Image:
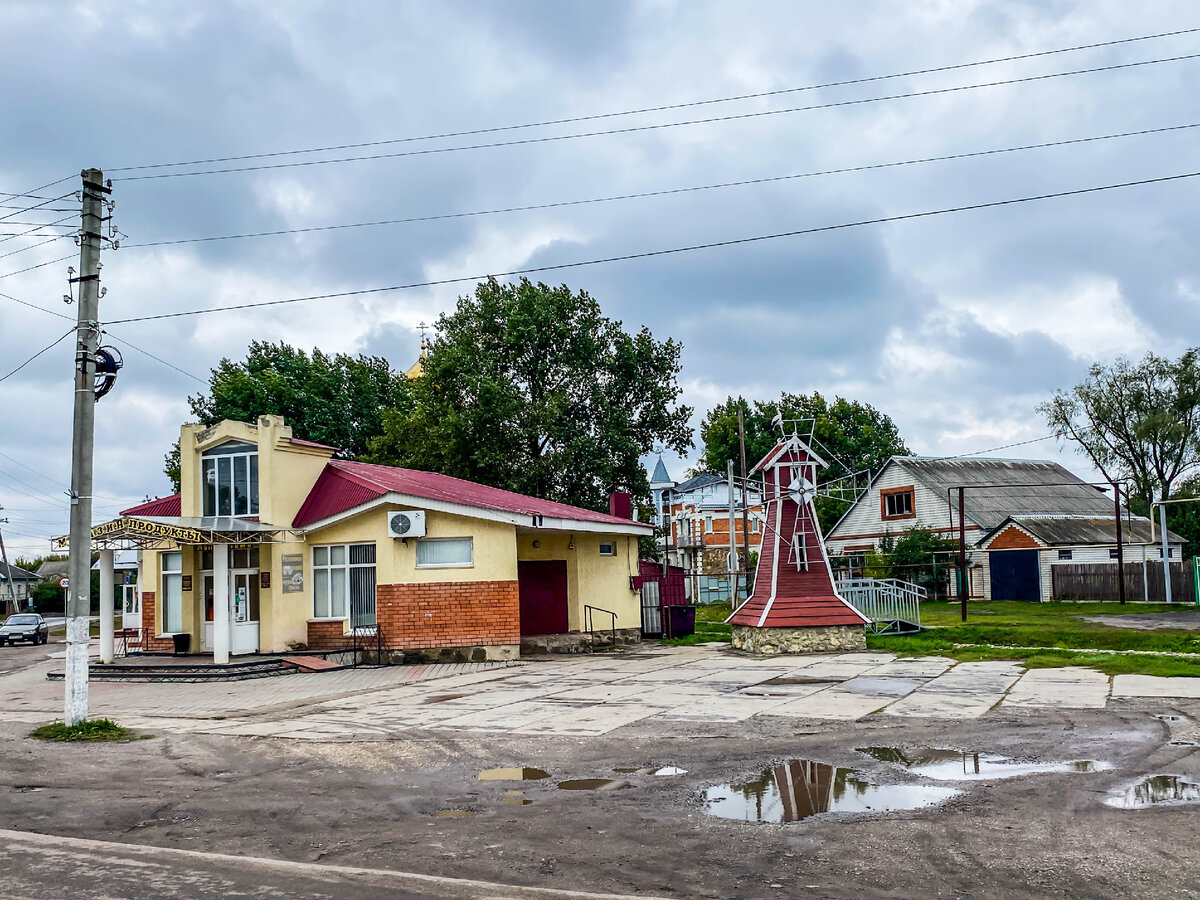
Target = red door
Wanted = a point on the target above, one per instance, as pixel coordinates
(542, 590)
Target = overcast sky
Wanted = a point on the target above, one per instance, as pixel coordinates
(957, 326)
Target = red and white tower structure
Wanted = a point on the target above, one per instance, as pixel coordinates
(795, 606)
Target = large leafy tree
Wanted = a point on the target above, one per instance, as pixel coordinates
(1136, 421)
(331, 399)
(851, 436)
(532, 389)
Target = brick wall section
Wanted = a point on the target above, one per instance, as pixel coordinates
(153, 644)
(327, 635)
(1012, 538)
(454, 614)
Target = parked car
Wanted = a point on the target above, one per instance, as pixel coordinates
(24, 627)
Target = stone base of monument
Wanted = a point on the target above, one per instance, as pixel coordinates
(817, 639)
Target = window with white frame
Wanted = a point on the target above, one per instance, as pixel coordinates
(442, 553)
(229, 474)
(172, 592)
(344, 583)
(753, 525)
(608, 548)
(708, 524)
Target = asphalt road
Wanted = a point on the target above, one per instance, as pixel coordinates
(47, 867)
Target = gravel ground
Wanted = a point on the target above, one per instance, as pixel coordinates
(374, 803)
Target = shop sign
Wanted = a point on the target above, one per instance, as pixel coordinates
(293, 572)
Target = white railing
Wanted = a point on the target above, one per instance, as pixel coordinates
(884, 600)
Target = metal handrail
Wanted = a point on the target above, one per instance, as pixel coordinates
(589, 622)
(884, 600)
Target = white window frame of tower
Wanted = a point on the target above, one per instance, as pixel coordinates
(220, 478)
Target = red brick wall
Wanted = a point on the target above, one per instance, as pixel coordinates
(1012, 538)
(327, 635)
(454, 614)
(153, 644)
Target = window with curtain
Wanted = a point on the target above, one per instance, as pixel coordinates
(172, 592)
(344, 583)
(434, 553)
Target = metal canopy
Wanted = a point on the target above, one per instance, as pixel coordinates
(156, 531)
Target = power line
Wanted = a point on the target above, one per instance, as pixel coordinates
(33, 195)
(654, 253)
(33, 306)
(34, 471)
(32, 208)
(38, 228)
(662, 108)
(665, 192)
(57, 237)
(38, 266)
(155, 358)
(661, 125)
(58, 341)
(1037, 440)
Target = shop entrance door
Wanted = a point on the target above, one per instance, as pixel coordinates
(243, 611)
(131, 606)
(542, 596)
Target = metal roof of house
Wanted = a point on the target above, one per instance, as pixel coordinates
(1009, 487)
(52, 568)
(344, 485)
(660, 475)
(704, 479)
(163, 506)
(1076, 531)
(16, 573)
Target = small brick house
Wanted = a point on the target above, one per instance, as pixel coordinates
(274, 545)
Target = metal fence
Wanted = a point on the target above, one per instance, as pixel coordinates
(889, 603)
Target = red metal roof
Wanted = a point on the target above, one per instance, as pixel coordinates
(301, 443)
(163, 506)
(345, 484)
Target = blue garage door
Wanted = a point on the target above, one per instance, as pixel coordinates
(1015, 575)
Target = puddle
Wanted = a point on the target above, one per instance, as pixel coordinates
(882, 687)
(454, 813)
(1170, 717)
(27, 788)
(592, 784)
(442, 698)
(1156, 790)
(955, 765)
(798, 679)
(801, 788)
(626, 770)
(515, 798)
(525, 774)
(669, 770)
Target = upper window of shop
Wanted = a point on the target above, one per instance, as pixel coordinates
(436, 553)
(230, 479)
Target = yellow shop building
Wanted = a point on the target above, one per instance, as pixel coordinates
(273, 546)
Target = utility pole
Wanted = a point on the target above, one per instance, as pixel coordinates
(1120, 545)
(962, 553)
(87, 330)
(1166, 549)
(732, 566)
(745, 503)
(8, 575)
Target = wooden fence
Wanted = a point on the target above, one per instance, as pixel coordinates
(1085, 582)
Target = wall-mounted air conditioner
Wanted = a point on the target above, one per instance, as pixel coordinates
(407, 523)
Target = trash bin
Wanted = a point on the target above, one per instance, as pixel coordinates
(681, 621)
(183, 643)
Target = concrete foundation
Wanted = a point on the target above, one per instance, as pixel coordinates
(578, 641)
(820, 639)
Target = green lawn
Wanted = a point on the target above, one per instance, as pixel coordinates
(1004, 630)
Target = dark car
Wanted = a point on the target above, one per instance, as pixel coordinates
(24, 627)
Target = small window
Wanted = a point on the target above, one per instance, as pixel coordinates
(897, 504)
(438, 553)
(1112, 553)
(708, 524)
(754, 526)
(1064, 554)
(608, 548)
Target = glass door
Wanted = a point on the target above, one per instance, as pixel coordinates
(243, 596)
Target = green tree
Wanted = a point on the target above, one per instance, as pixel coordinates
(851, 436)
(1135, 421)
(331, 399)
(532, 389)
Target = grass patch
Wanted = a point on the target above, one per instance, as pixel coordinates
(1045, 635)
(87, 730)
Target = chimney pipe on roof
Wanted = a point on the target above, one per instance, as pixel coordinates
(620, 504)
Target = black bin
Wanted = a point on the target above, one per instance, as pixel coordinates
(183, 643)
(681, 621)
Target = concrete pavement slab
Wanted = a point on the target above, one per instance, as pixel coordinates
(1155, 686)
(943, 705)
(832, 703)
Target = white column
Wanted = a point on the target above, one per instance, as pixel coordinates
(107, 610)
(221, 604)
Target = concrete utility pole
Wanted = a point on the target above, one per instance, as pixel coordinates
(87, 329)
(1120, 545)
(745, 503)
(733, 566)
(8, 575)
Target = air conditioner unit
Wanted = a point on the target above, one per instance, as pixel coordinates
(407, 523)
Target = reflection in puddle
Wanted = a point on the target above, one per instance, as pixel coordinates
(801, 788)
(442, 698)
(515, 798)
(592, 784)
(1154, 790)
(525, 774)
(1170, 717)
(669, 770)
(955, 765)
(626, 770)
(454, 813)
